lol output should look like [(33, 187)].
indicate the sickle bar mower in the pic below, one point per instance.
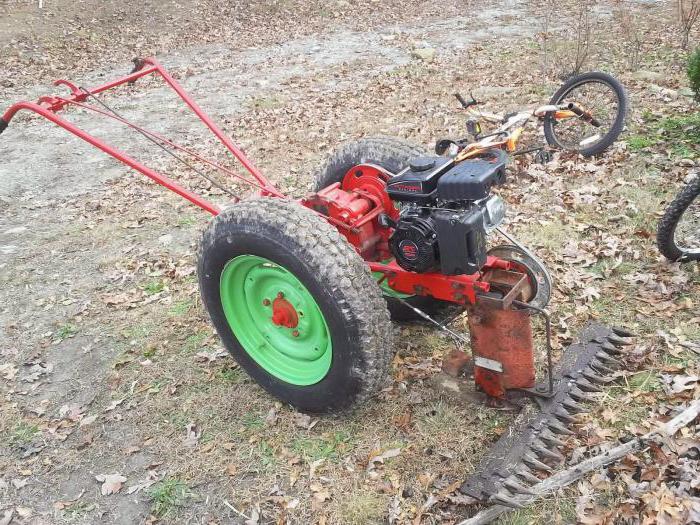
[(301, 292)]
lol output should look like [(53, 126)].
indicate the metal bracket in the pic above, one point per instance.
[(488, 364)]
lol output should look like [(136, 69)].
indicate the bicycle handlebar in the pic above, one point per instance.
[(585, 114), (464, 103)]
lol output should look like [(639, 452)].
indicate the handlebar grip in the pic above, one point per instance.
[(138, 65), (461, 100), (586, 115), (3, 125)]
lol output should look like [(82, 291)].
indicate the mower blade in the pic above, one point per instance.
[(516, 488), (525, 474), (583, 370), (622, 332), (503, 498)]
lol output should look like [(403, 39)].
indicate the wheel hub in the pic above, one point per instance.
[(276, 320), (283, 313)]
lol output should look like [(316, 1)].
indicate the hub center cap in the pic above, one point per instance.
[(284, 314)]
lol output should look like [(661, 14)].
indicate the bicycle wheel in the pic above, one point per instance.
[(678, 234), (604, 98)]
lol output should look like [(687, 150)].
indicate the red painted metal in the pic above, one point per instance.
[(123, 157), (353, 206), (283, 313), (47, 107), (169, 142), (504, 336), (462, 289)]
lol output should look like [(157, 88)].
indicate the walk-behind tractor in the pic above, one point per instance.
[(302, 292)]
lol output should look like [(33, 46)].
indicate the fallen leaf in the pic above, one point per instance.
[(20, 483), (271, 417), (304, 421), (8, 371), (380, 458), (114, 404), (192, 435), (149, 480), (313, 467), (111, 483), (6, 519), (88, 420)]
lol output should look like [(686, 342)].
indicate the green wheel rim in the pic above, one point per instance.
[(299, 352)]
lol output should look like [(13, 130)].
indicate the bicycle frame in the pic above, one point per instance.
[(507, 135)]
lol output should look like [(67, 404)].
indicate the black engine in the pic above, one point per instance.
[(445, 214)]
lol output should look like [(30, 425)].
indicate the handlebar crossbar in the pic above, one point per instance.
[(48, 107)]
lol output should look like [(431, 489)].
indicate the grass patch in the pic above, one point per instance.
[(78, 510), (193, 342), (167, 496), (186, 220), (682, 134), (180, 308), (646, 381), (138, 332), (639, 142), (22, 434), (440, 417), (265, 103), (329, 445), (66, 331), (685, 129), (266, 455), (252, 421), (154, 287), (551, 236), (553, 510), (361, 507), (231, 375)]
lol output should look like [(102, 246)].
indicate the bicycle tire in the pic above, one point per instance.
[(666, 231), (618, 125)]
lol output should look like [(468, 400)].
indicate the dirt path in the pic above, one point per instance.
[(226, 81)]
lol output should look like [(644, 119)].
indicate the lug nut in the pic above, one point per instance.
[(295, 333), (266, 302)]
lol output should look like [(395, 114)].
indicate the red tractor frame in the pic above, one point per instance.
[(500, 335)]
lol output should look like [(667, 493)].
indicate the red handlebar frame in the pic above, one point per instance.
[(48, 107)]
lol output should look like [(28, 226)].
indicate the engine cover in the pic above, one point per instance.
[(472, 180), (414, 243), (417, 183)]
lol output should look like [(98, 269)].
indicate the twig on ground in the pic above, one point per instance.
[(234, 509)]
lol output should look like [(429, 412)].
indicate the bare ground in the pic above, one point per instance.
[(109, 363)]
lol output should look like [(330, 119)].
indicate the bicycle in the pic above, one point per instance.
[(586, 114), (678, 233)]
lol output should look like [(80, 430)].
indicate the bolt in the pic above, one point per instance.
[(295, 333), (280, 295), (266, 302)]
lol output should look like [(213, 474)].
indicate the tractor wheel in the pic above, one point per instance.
[(294, 304), (393, 154)]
